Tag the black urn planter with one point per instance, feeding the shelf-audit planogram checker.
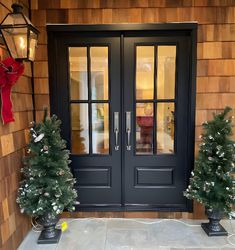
(213, 228)
(49, 235)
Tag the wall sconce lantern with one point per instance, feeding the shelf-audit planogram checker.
(19, 34)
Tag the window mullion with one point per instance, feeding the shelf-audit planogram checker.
(89, 98)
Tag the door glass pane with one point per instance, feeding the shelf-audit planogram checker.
(78, 73)
(165, 128)
(80, 128)
(144, 128)
(144, 72)
(100, 128)
(166, 60)
(99, 73)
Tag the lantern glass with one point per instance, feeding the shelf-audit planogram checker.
(14, 19)
(33, 38)
(16, 39)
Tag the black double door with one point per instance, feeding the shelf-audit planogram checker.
(124, 101)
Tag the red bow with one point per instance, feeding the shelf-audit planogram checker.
(10, 71)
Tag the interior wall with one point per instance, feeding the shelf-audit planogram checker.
(13, 139)
(215, 53)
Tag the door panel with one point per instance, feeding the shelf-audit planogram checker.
(155, 176)
(91, 92)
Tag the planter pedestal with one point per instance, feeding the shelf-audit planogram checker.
(207, 229)
(50, 234)
(44, 240)
(213, 228)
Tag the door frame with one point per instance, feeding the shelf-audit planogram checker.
(190, 29)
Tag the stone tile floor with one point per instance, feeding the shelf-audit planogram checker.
(134, 234)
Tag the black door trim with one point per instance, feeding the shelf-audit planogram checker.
(54, 31)
(191, 26)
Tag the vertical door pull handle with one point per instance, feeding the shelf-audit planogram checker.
(128, 130)
(116, 129)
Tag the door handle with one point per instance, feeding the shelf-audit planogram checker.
(116, 129)
(128, 130)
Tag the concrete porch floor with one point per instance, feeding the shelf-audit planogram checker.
(134, 234)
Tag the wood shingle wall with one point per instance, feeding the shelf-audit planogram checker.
(216, 51)
(215, 81)
(13, 139)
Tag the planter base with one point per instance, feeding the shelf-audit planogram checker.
(43, 240)
(221, 232)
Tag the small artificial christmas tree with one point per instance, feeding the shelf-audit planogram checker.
(211, 182)
(48, 184)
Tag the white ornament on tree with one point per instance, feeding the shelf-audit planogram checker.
(39, 138)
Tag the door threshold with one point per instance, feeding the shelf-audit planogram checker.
(134, 208)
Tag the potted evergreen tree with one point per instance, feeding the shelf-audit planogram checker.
(47, 188)
(211, 182)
